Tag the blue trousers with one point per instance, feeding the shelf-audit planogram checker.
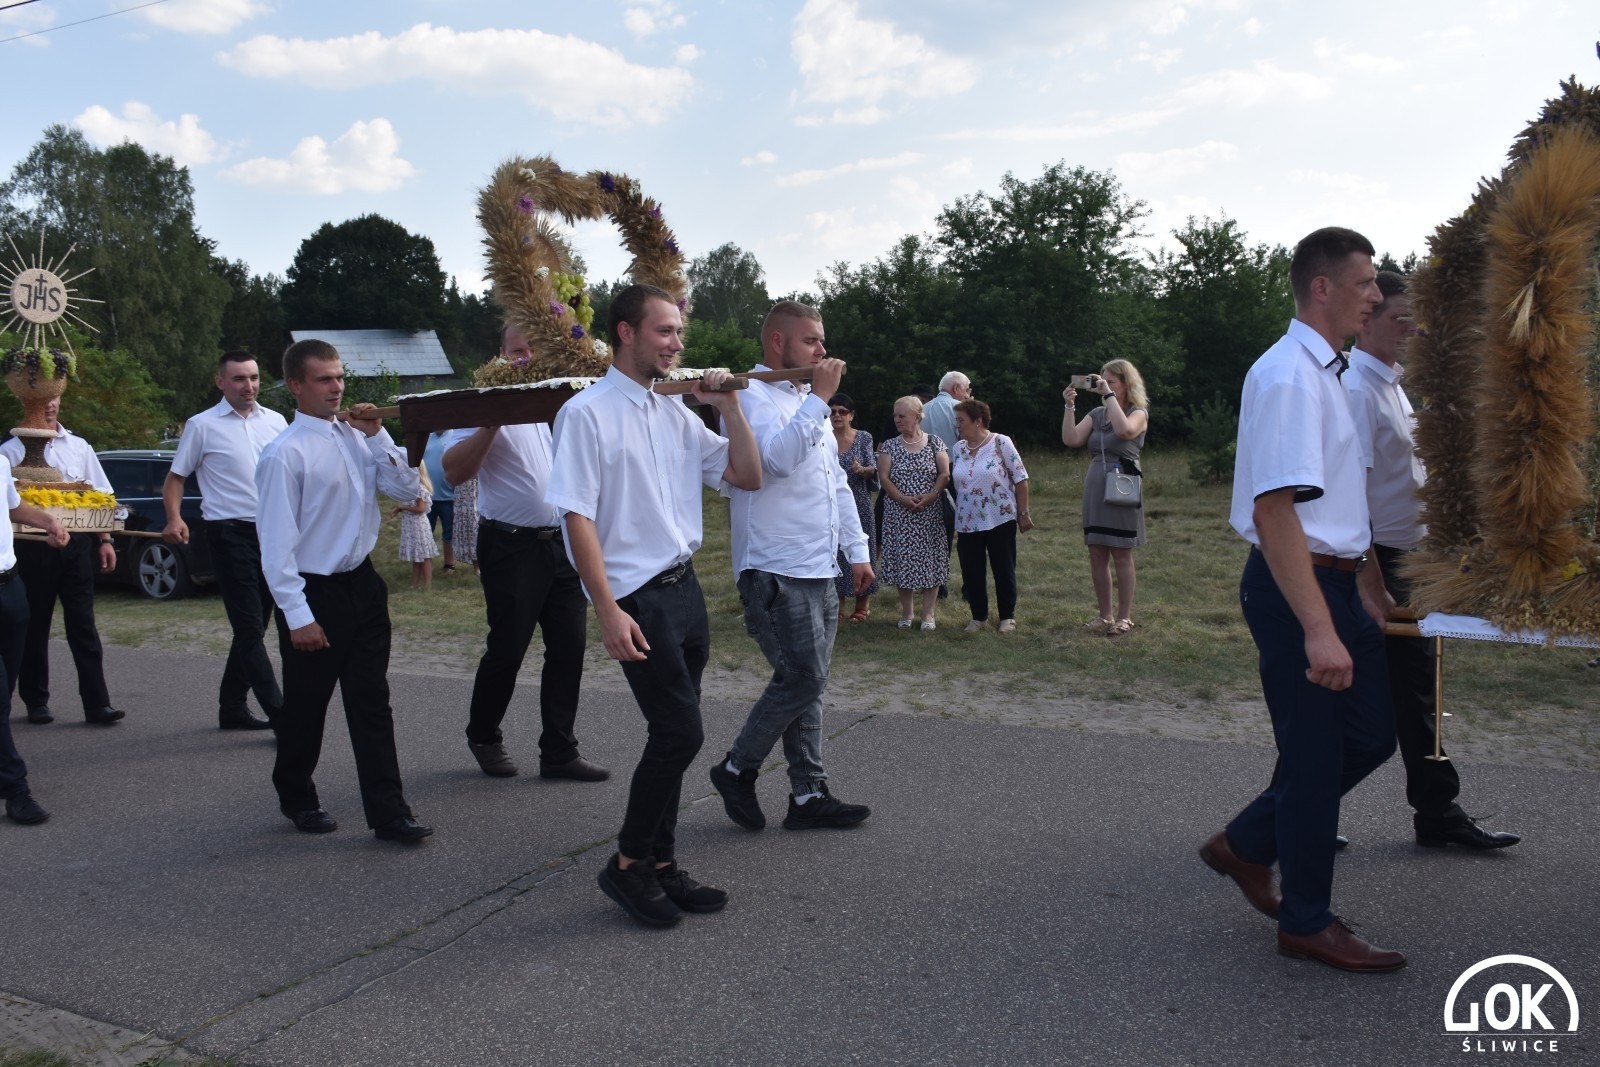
(1327, 741)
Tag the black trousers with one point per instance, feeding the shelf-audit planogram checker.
(526, 583)
(236, 561)
(353, 610)
(13, 633)
(999, 545)
(667, 686)
(1431, 785)
(66, 574)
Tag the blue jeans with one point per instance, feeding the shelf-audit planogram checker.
(794, 621)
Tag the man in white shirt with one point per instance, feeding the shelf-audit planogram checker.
(787, 536)
(68, 576)
(527, 582)
(220, 446)
(21, 807)
(1384, 422)
(626, 477)
(1315, 612)
(318, 518)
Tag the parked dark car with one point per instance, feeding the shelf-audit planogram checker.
(159, 570)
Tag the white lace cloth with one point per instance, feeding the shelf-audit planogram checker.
(1472, 628)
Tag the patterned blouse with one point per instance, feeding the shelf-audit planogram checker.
(985, 483)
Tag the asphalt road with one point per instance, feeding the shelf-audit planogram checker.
(1019, 896)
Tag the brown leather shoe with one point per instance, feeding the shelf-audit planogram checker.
(1253, 879)
(1338, 947)
(576, 768)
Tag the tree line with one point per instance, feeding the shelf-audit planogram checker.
(1019, 288)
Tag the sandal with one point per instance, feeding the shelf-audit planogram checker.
(905, 623)
(861, 616)
(1119, 628)
(1098, 625)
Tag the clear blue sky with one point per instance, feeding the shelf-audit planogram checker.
(808, 132)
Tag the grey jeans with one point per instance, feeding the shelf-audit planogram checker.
(794, 620)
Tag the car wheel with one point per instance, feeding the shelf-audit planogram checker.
(162, 573)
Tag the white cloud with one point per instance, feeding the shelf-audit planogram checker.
(1135, 167)
(1252, 27)
(572, 79)
(1338, 54)
(183, 140)
(30, 19)
(1170, 21)
(652, 17)
(364, 158)
(1081, 128)
(686, 54)
(847, 59)
(763, 158)
(1264, 82)
(1159, 60)
(811, 177)
(866, 116)
(203, 16)
(1354, 186)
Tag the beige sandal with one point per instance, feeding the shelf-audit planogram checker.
(1097, 625)
(1119, 628)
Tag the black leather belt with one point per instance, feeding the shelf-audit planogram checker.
(671, 576)
(542, 533)
(6, 576)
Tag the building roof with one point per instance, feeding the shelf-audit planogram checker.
(401, 352)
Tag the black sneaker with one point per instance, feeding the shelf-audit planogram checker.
(687, 893)
(638, 892)
(739, 794)
(823, 811)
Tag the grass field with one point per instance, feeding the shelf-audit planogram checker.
(1190, 653)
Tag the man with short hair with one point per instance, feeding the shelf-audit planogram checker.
(1315, 613)
(220, 446)
(939, 414)
(67, 575)
(527, 582)
(318, 519)
(1395, 475)
(626, 477)
(787, 536)
(21, 807)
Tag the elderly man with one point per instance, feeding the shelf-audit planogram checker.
(66, 575)
(1315, 611)
(220, 446)
(787, 536)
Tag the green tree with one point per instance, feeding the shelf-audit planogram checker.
(131, 215)
(730, 288)
(719, 344)
(113, 402)
(365, 274)
(253, 320)
(473, 335)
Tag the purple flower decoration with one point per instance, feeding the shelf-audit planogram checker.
(577, 331)
(557, 308)
(683, 305)
(655, 213)
(608, 183)
(670, 245)
(525, 204)
(525, 241)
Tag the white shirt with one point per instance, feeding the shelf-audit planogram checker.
(8, 551)
(1384, 422)
(633, 462)
(221, 447)
(804, 512)
(69, 454)
(939, 419)
(318, 511)
(515, 472)
(1295, 429)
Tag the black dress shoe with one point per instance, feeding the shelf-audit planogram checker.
(404, 829)
(241, 719)
(576, 768)
(315, 821)
(103, 716)
(1465, 832)
(23, 809)
(40, 715)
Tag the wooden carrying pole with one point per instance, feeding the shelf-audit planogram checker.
(1403, 623)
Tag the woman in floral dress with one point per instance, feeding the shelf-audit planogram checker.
(855, 456)
(991, 486)
(914, 469)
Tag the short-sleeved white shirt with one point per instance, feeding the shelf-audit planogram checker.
(221, 447)
(515, 472)
(1296, 430)
(634, 462)
(1384, 421)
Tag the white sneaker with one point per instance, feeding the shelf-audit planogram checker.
(975, 625)
(1008, 626)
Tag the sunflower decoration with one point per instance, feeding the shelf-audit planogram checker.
(531, 263)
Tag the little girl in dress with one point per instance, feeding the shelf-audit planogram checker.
(416, 534)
